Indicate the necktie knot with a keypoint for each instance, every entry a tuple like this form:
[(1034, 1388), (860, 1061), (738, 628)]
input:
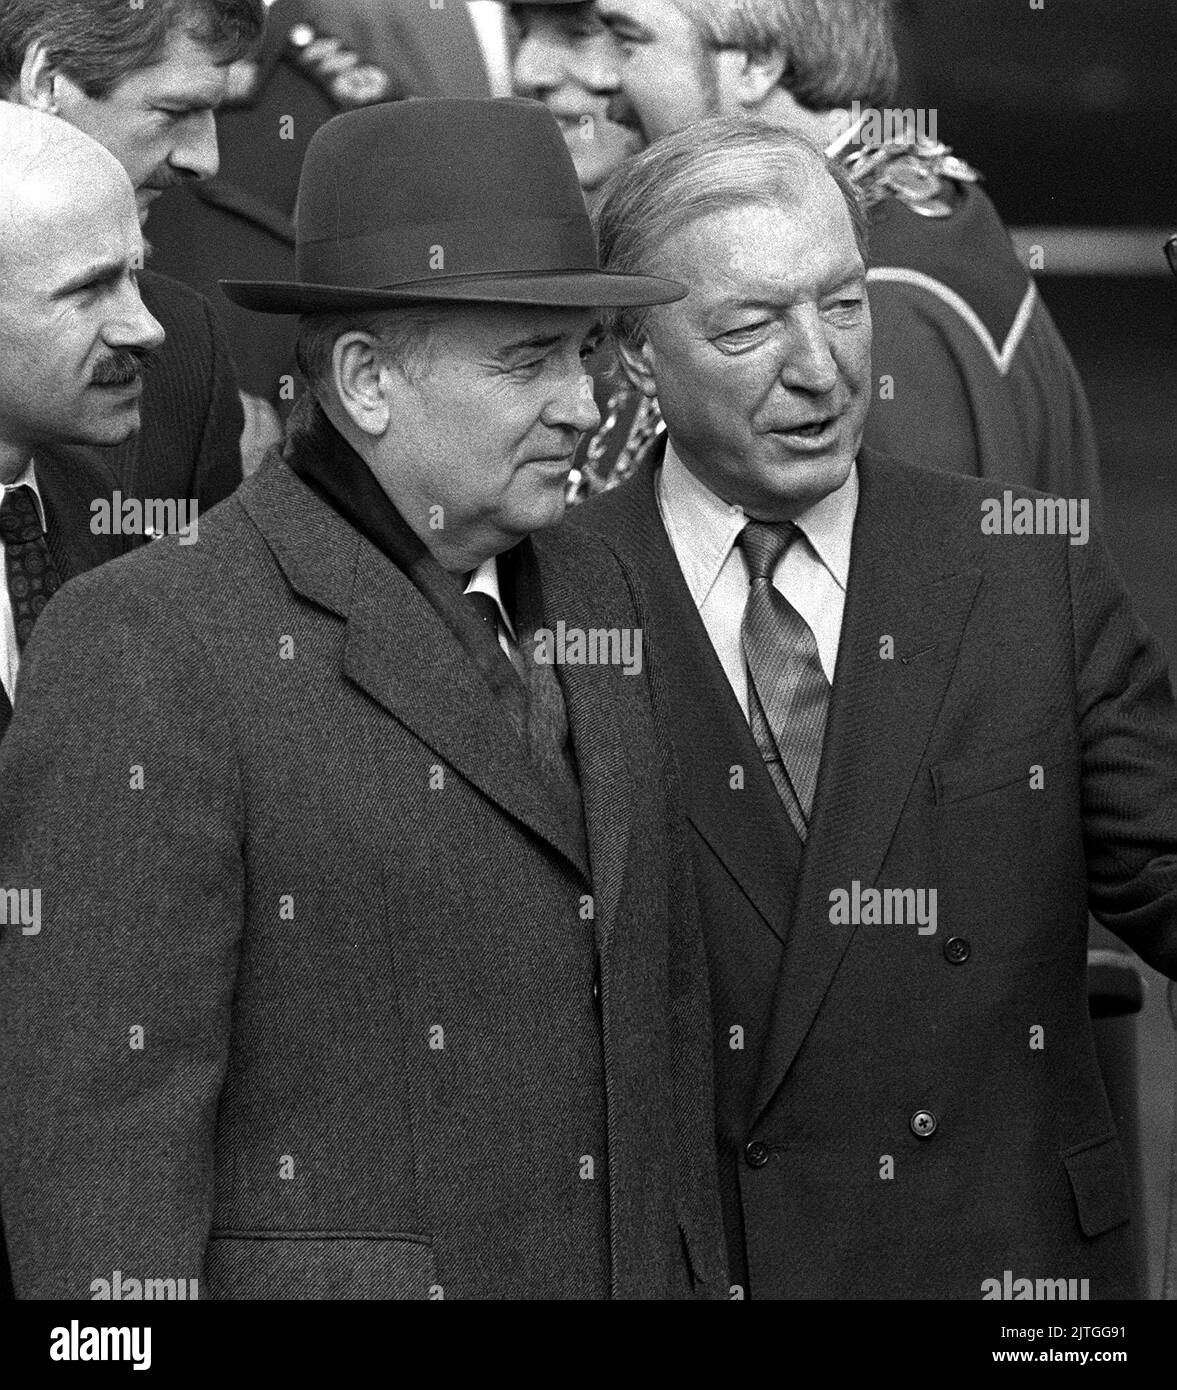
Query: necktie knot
[(20, 522), (764, 544), (486, 608)]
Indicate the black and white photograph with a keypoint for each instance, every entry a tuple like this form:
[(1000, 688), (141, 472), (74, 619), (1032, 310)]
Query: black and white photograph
[(587, 643)]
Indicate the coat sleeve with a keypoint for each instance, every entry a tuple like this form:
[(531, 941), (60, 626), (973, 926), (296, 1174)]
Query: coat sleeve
[(121, 837), (1128, 731)]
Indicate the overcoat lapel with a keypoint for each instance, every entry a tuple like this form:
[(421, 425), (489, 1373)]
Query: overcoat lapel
[(595, 722), (903, 585), (398, 650), (711, 737)]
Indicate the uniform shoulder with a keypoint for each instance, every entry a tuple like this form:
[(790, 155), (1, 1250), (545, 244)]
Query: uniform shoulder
[(934, 230)]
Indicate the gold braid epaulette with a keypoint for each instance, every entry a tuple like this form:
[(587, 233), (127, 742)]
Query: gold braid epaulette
[(917, 171)]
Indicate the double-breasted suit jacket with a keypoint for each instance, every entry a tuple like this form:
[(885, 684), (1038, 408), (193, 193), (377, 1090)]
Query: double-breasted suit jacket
[(906, 1112), (325, 1002)]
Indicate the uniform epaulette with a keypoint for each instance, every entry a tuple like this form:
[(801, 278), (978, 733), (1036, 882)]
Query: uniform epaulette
[(335, 69), (922, 173)]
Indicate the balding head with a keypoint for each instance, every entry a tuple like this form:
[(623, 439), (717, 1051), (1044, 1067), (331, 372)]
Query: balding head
[(72, 326)]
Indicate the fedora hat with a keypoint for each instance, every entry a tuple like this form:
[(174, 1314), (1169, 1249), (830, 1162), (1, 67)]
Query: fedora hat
[(444, 200)]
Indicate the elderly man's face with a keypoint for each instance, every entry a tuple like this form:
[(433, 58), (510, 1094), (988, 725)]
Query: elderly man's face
[(73, 330), (667, 73), (159, 122), (480, 442), (763, 371), (567, 60)]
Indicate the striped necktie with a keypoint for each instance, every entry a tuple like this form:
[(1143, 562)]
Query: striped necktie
[(788, 695)]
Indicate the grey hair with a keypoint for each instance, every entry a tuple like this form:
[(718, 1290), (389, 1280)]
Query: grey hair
[(835, 51), (712, 166), (403, 338)]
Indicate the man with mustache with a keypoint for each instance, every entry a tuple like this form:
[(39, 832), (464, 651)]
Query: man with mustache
[(368, 966), (74, 337), (913, 745), (145, 82), (970, 373)]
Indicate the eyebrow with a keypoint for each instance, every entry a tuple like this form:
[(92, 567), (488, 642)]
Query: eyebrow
[(102, 271), (832, 282), (618, 20), (201, 100), (537, 342)]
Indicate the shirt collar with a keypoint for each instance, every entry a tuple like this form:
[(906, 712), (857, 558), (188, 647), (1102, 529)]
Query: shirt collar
[(485, 580), (704, 527), (28, 479)]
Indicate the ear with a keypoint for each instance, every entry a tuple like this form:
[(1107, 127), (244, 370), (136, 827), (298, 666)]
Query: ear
[(638, 363), (361, 383), (38, 81), (747, 80)]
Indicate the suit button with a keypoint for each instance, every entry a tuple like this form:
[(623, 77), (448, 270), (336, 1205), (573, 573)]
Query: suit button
[(596, 989), (923, 1124), (756, 1154), (957, 950)]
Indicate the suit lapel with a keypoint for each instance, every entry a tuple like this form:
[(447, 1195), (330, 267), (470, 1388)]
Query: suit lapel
[(69, 485), (705, 724), (595, 713), (882, 712), (398, 650)]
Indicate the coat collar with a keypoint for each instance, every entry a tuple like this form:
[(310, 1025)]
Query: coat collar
[(441, 696)]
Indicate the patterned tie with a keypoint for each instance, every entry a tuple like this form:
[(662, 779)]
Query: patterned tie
[(788, 694), (488, 610), (32, 575)]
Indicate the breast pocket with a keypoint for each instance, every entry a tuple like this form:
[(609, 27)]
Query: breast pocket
[(319, 1264), (1009, 847)]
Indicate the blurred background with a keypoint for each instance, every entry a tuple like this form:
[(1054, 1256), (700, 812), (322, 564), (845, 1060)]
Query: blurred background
[(1070, 113)]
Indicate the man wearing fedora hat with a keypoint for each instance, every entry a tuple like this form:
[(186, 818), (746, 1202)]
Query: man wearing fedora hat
[(366, 967)]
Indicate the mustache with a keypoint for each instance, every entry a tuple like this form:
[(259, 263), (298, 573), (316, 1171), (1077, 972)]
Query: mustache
[(121, 368)]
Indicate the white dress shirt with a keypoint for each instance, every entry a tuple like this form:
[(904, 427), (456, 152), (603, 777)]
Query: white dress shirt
[(485, 580), (9, 655), (489, 19), (812, 575)]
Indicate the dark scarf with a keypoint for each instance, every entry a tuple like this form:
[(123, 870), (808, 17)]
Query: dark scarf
[(326, 462)]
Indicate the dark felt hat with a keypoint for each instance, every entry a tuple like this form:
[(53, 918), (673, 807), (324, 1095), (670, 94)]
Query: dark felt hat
[(444, 200)]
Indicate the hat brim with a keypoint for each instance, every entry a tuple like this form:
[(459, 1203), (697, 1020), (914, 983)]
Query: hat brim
[(572, 289)]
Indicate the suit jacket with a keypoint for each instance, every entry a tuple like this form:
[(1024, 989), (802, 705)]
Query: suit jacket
[(332, 1006), (1017, 753), (67, 494), (189, 447)]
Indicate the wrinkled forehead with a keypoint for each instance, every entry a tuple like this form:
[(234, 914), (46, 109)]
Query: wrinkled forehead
[(502, 327)]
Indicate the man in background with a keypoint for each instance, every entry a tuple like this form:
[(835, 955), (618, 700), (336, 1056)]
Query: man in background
[(146, 83), (970, 373)]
